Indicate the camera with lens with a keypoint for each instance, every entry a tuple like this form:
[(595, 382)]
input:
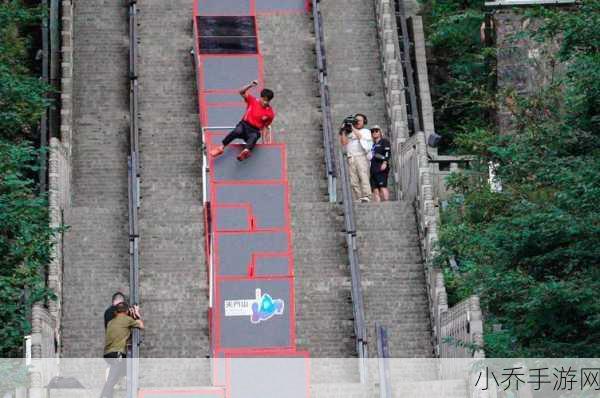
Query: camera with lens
[(347, 124)]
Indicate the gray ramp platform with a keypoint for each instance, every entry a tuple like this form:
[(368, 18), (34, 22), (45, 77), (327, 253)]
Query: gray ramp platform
[(254, 313), (271, 265), (217, 98), (232, 218), (267, 203), (268, 377), (228, 73), (224, 7), (265, 164), (225, 115), (266, 6), (235, 250)]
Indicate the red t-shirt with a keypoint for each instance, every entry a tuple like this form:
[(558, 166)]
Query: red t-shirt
[(257, 115)]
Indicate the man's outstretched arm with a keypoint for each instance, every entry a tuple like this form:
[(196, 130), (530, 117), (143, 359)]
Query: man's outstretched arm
[(244, 90)]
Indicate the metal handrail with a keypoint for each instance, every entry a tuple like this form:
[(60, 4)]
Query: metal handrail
[(133, 198), (383, 354), (349, 223), (330, 164), (407, 66)]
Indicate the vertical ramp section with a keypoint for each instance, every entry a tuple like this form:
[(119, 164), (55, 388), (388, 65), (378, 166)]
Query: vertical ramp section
[(248, 234)]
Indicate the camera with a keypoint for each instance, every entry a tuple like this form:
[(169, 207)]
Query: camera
[(347, 124)]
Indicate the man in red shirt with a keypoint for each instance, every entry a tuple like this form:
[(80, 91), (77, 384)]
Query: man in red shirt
[(258, 117)]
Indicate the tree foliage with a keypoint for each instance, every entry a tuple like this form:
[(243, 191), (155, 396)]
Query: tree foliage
[(25, 244), (22, 95), (25, 237), (462, 67), (531, 250)]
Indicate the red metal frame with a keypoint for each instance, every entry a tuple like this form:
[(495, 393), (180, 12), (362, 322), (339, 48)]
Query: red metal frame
[(283, 179), (286, 205), (257, 255), (217, 325), (203, 104), (210, 220), (242, 205), (217, 262)]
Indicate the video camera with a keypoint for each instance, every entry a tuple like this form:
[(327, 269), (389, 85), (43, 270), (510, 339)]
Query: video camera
[(347, 124)]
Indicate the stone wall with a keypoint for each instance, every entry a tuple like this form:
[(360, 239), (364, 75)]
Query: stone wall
[(416, 178), (66, 94), (45, 334), (524, 65)]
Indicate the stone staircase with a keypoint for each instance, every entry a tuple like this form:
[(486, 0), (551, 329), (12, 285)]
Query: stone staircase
[(322, 283), (393, 279), (97, 243), (173, 280), (354, 70), (391, 266)]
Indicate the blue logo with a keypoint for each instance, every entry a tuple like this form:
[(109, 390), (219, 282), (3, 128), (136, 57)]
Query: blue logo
[(265, 307)]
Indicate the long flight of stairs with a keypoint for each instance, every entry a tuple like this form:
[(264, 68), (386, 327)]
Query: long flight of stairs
[(173, 284), (173, 277), (393, 280), (96, 244), (323, 308)]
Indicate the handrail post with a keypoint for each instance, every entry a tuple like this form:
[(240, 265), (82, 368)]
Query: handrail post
[(383, 353), (134, 200), (330, 165)]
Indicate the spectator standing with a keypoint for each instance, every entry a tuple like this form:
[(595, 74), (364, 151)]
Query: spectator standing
[(258, 117), (356, 144), (115, 347), (109, 314), (380, 165)]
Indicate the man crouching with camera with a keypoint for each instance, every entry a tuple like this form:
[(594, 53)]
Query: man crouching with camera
[(356, 141)]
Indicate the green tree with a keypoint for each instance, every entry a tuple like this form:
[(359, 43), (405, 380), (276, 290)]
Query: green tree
[(22, 95), (462, 67), (25, 244), (531, 251), (25, 238)]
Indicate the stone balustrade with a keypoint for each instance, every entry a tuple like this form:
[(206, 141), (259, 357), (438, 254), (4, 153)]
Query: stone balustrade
[(422, 182)]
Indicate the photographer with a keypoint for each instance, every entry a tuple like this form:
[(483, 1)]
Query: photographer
[(115, 348), (109, 314), (356, 141)]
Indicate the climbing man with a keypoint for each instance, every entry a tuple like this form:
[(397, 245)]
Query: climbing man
[(115, 347), (258, 117)]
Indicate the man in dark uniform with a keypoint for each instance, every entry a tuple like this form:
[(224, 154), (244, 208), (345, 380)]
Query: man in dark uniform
[(258, 117), (380, 165)]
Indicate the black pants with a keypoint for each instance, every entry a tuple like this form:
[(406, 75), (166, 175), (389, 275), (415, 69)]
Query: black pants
[(244, 131), (378, 179), (118, 370)]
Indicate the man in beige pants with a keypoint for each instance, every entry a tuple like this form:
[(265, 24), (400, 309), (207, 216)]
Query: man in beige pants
[(358, 164)]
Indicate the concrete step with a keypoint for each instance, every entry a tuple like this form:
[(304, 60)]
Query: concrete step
[(434, 389), (96, 264), (342, 390), (100, 114), (173, 281)]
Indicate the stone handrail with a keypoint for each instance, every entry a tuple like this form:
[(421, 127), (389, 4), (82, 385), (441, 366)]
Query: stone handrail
[(59, 181), (462, 323), (422, 183), (45, 319)]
